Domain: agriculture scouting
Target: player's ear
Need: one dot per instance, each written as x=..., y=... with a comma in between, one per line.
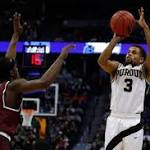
x=142, y=60
x=12, y=73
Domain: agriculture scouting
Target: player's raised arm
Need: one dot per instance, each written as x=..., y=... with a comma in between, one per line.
x=104, y=59
x=22, y=85
x=146, y=29
x=18, y=29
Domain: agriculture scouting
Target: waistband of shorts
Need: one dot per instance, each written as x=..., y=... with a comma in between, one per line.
x=125, y=115
x=5, y=135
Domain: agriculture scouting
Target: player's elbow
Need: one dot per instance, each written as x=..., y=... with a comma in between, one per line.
x=44, y=84
x=101, y=62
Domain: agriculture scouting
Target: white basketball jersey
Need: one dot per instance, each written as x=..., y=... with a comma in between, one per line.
x=128, y=89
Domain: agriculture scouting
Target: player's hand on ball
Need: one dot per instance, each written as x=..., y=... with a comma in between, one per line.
x=66, y=49
x=117, y=38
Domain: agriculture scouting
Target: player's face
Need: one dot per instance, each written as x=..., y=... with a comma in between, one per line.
x=15, y=74
x=133, y=56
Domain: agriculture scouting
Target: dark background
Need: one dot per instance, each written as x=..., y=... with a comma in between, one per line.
x=86, y=19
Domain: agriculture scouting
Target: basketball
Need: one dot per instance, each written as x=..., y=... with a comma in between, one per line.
x=122, y=23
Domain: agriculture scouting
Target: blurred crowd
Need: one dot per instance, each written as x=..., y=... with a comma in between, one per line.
x=57, y=21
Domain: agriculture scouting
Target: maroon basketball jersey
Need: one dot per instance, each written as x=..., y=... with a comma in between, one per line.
x=9, y=111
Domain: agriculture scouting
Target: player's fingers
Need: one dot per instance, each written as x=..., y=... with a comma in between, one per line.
x=24, y=25
x=142, y=9
x=114, y=35
x=15, y=16
x=18, y=19
x=68, y=47
x=139, y=11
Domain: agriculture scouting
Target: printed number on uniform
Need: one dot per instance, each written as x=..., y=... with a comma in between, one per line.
x=128, y=87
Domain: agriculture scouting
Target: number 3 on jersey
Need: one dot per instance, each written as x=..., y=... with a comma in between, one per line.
x=128, y=87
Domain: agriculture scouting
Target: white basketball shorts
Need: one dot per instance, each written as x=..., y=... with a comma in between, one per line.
x=124, y=132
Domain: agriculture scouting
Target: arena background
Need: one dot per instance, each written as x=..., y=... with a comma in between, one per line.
x=84, y=89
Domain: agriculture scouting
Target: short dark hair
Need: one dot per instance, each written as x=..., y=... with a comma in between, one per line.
x=142, y=51
x=6, y=65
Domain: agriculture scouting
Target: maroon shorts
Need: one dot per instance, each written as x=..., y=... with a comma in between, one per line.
x=4, y=143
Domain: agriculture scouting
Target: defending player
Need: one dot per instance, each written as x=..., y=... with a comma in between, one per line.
x=12, y=86
x=124, y=129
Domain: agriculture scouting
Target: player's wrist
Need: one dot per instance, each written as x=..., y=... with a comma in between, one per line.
x=114, y=40
x=62, y=57
x=16, y=35
x=146, y=28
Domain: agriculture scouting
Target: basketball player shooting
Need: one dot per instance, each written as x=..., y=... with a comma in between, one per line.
x=12, y=86
x=124, y=129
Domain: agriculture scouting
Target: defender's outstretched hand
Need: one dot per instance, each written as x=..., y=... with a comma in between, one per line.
x=66, y=49
x=18, y=28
